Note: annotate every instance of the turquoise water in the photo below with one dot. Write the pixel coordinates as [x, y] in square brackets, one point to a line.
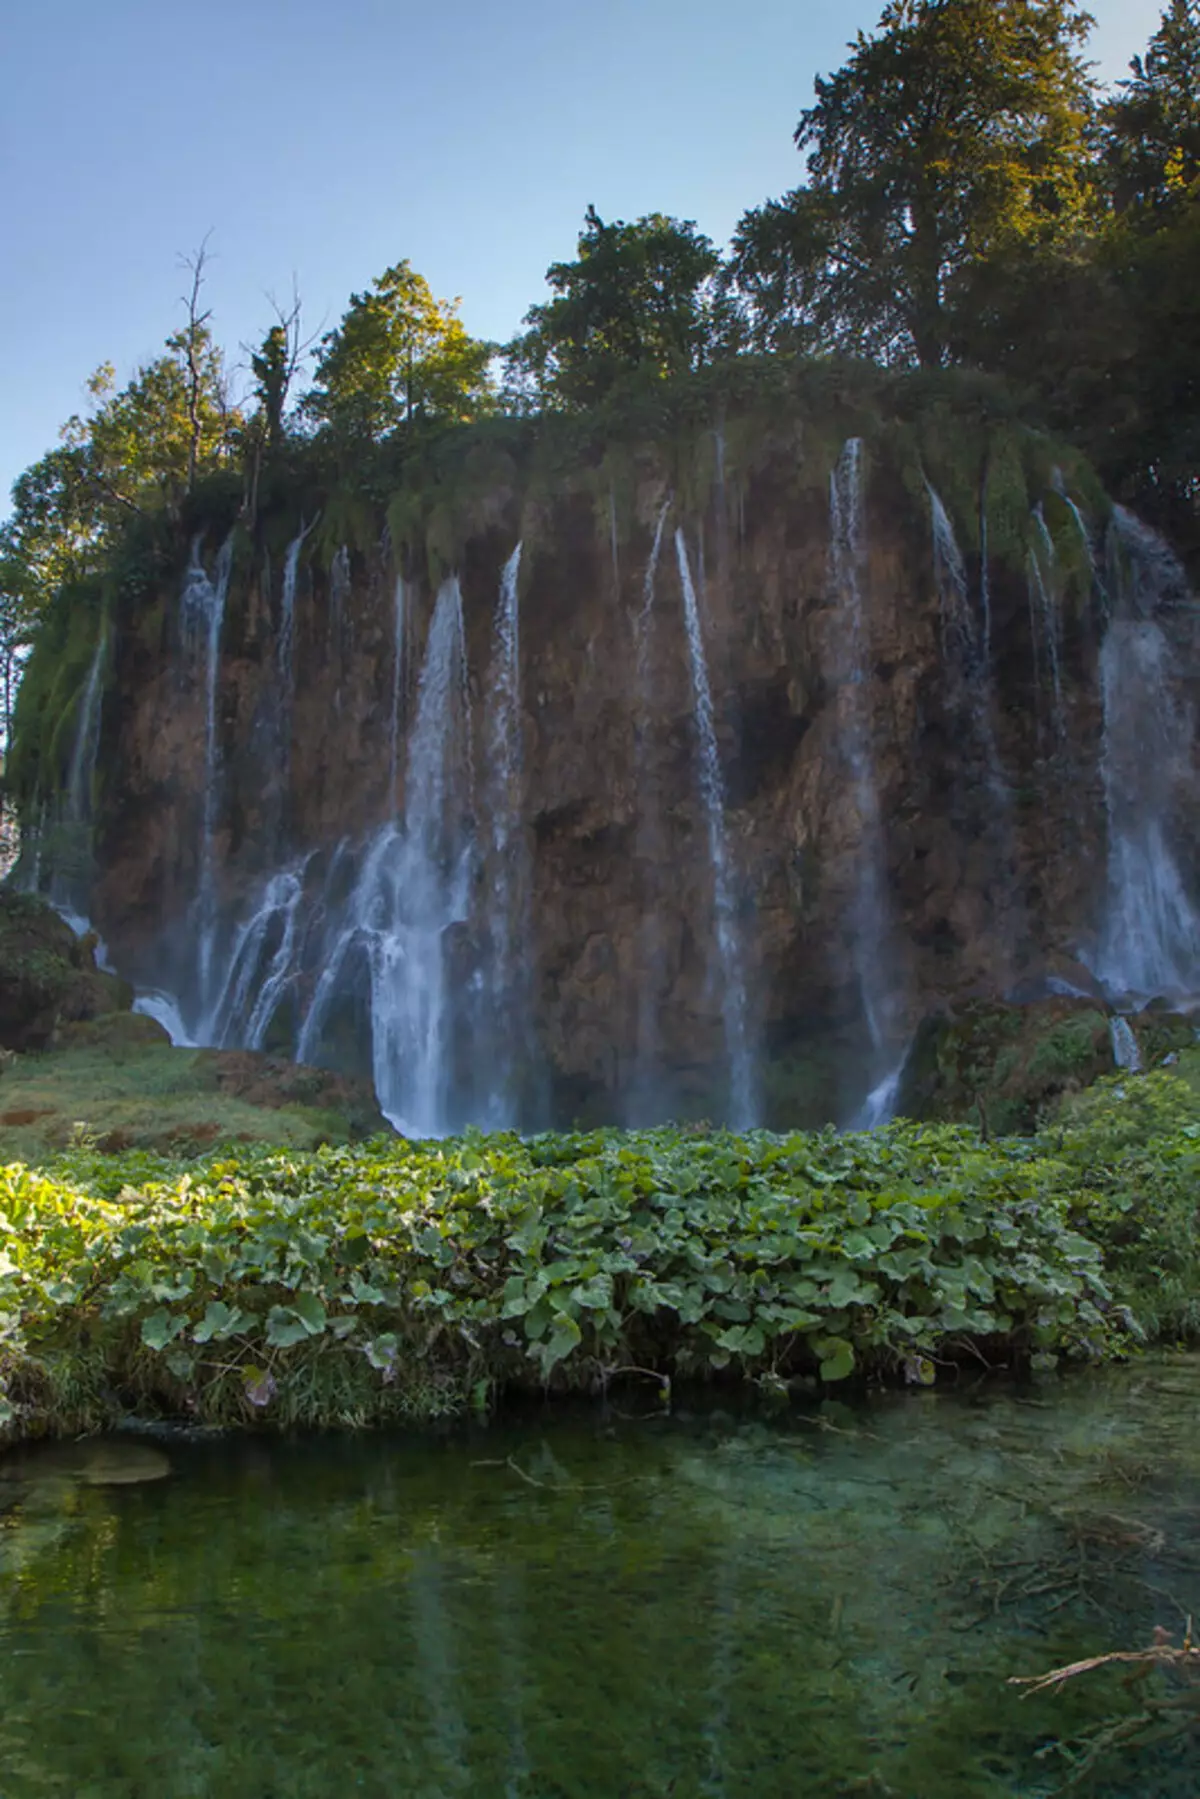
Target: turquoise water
[601, 1603]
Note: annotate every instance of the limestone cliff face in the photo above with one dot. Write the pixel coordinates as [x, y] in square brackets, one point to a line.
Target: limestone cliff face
[909, 729]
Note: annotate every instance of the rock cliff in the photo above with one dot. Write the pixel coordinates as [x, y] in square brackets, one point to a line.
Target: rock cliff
[376, 790]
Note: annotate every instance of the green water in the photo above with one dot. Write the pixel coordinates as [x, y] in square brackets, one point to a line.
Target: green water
[603, 1603]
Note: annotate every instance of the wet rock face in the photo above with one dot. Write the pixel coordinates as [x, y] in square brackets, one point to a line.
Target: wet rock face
[987, 813]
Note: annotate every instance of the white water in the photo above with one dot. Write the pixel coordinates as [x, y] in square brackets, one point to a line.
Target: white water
[1044, 613]
[879, 1107]
[712, 792]
[1150, 943]
[1150, 940]
[87, 739]
[506, 996]
[164, 1010]
[399, 672]
[1126, 1053]
[646, 1098]
[202, 605]
[413, 886]
[505, 764]
[260, 966]
[847, 572]
[287, 616]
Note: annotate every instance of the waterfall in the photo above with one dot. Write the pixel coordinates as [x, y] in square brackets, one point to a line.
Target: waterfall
[262, 963]
[202, 606]
[964, 643]
[87, 740]
[870, 923]
[1150, 939]
[712, 793]
[1150, 943]
[510, 875]
[647, 1100]
[286, 647]
[414, 885]
[399, 646]
[1044, 617]
[287, 618]
[1126, 1053]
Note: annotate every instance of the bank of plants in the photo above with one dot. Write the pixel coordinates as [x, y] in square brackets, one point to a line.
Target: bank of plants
[389, 1280]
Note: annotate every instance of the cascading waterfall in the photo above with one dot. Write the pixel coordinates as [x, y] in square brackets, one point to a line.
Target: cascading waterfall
[1150, 943]
[413, 886]
[1044, 617]
[646, 1095]
[202, 607]
[510, 874]
[1126, 1053]
[399, 674]
[712, 792]
[261, 965]
[286, 649]
[87, 739]
[871, 922]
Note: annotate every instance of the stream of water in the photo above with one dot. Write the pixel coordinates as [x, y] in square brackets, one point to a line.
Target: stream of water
[808, 1605]
[202, 608]
[730, 953]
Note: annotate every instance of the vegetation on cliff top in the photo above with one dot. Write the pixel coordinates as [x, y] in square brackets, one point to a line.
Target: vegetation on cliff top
[972, 198]
[401, 1279]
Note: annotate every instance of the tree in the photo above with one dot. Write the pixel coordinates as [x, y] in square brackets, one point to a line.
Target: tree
[638, 296]
[1152, 128]
[397, 356]
[954, 132]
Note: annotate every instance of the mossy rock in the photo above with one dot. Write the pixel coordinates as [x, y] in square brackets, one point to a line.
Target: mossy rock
[1004, 1065]
[48, 975]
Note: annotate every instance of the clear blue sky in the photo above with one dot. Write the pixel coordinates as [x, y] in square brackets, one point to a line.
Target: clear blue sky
[328, 141]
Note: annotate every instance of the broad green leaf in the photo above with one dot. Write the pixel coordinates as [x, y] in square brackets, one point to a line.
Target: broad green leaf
[837, 1358]
[162, 1327]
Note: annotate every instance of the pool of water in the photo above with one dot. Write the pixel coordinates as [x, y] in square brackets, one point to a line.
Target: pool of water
[595, 1603]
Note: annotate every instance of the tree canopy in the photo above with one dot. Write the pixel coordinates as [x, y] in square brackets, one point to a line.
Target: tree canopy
[399, 355]
[638, 296]
[970, 198]
[955, 130]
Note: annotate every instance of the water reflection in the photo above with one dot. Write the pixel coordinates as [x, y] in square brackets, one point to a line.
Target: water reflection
[827, 1603]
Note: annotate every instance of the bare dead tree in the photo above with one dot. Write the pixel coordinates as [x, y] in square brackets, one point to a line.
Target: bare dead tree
[192, 338]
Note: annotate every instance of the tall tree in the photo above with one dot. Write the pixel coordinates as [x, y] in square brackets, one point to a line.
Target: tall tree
[398, 355]
[638, 296]
[955, 130]
[1152, 126]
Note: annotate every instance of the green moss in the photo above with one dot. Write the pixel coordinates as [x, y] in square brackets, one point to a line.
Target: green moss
[121, 1085]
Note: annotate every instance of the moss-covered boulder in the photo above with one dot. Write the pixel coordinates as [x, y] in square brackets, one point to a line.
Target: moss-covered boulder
[1003, 1065]
[48, 975]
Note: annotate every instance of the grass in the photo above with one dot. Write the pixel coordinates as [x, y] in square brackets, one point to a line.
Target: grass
[113, 1088]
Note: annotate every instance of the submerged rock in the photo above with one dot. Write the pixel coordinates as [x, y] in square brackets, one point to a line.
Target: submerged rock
[94, 1462]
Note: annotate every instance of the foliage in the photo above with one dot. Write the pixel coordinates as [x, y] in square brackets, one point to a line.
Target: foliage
[951, 132]
[398, 355]
[1134, 1142]
[1152, 126]
[117, 1078]
[639, 298]
[440, 1270]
